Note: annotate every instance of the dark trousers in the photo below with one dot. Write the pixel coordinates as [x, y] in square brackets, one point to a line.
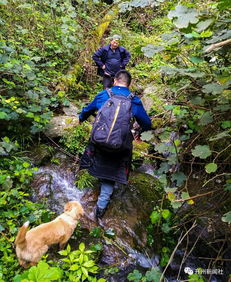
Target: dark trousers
[107, 81]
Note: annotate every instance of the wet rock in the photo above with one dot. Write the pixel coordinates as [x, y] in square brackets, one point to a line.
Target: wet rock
[127, 214]
[59, 124]
[71, 110]
[40, 154]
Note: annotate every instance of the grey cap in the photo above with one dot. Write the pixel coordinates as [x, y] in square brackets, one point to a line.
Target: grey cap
[116, 37]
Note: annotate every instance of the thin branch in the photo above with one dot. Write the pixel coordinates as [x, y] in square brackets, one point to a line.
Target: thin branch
[221, 152]
[217, 45]
[225, 173]
[173, 253]
[61, 149]
[196, 196]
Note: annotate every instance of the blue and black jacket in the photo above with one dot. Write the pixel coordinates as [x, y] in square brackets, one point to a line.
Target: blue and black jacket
[138, 111]
[102, 55]
[113, 167]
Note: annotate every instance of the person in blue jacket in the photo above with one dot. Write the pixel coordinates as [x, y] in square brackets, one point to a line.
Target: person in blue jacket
[111, 167]
[110, 59]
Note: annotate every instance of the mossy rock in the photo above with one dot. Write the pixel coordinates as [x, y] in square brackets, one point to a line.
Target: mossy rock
[146, 185]
[40, 154]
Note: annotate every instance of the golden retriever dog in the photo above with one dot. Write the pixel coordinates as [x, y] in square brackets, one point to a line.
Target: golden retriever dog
[33, 244]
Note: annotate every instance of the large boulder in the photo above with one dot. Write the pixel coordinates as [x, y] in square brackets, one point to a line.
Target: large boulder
[59, 124]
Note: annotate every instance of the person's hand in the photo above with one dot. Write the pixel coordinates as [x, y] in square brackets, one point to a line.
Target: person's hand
[103, 67]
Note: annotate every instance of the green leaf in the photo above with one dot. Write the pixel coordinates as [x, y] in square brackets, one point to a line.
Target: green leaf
[179, 177]
[134, 276]
[203, 25]
[227, 186]
[3, 115]
[206, 118]
[211, 167]
[165, 227]
[89, 263]
[147, 135]
[150, 50]
[227, 217]
[155, 216]
[182, 16]
[224, 5]
[153, 275]
[226, 124]
[84, 270]
[26, 164]
[213, 88]
[74, 267]
[196, 60]
[43, 272]
[201, 151]
[81, 247]
[195, 278]
[3, 2]
[165, 213]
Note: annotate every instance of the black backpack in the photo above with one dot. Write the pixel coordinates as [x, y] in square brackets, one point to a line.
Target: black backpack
[112, 126]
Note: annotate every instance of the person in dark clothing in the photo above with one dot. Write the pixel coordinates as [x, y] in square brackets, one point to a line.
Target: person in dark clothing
[110, 59]
[112, 167]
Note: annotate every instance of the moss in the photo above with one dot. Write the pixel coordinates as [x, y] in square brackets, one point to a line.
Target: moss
[146, 185]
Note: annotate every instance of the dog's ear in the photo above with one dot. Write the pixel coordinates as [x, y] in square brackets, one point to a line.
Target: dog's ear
[68, 207]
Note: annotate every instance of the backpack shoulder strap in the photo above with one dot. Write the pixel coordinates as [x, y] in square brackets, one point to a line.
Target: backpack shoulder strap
[131, 95]
[109, 92]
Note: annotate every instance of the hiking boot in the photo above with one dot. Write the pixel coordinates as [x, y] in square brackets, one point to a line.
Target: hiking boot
[99, 212]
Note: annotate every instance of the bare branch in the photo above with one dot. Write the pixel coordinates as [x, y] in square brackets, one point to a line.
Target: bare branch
[217, 45]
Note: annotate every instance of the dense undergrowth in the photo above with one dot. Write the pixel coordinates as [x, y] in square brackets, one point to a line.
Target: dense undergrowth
[187, 83]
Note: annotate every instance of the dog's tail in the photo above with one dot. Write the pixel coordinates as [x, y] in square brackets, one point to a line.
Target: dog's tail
[20, 240]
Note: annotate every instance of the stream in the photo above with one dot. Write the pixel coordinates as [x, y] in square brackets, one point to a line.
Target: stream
[127, 215]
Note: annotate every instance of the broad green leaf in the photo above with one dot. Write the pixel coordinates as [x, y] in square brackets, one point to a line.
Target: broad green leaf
[3, 2]
[227, 186]
[165, 213]
[26, 164]
[89, 263]
[81, 247]
[227, 217]
[155, 216]
[134, 276]
[206, 33]
[226, 124]
[74, 267]
[206, 118]
[224, 4]
[198, 101]
[153, 275]
[171, 196]
[201, 151]
[84, 270]
[196, 60]
[213, 88]
[150, 50]
[176, 205]
[182, 16]
[147, 135]
[211, 167]
[179, 177]
[165, 227]
[3, 115]
[203, 25]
